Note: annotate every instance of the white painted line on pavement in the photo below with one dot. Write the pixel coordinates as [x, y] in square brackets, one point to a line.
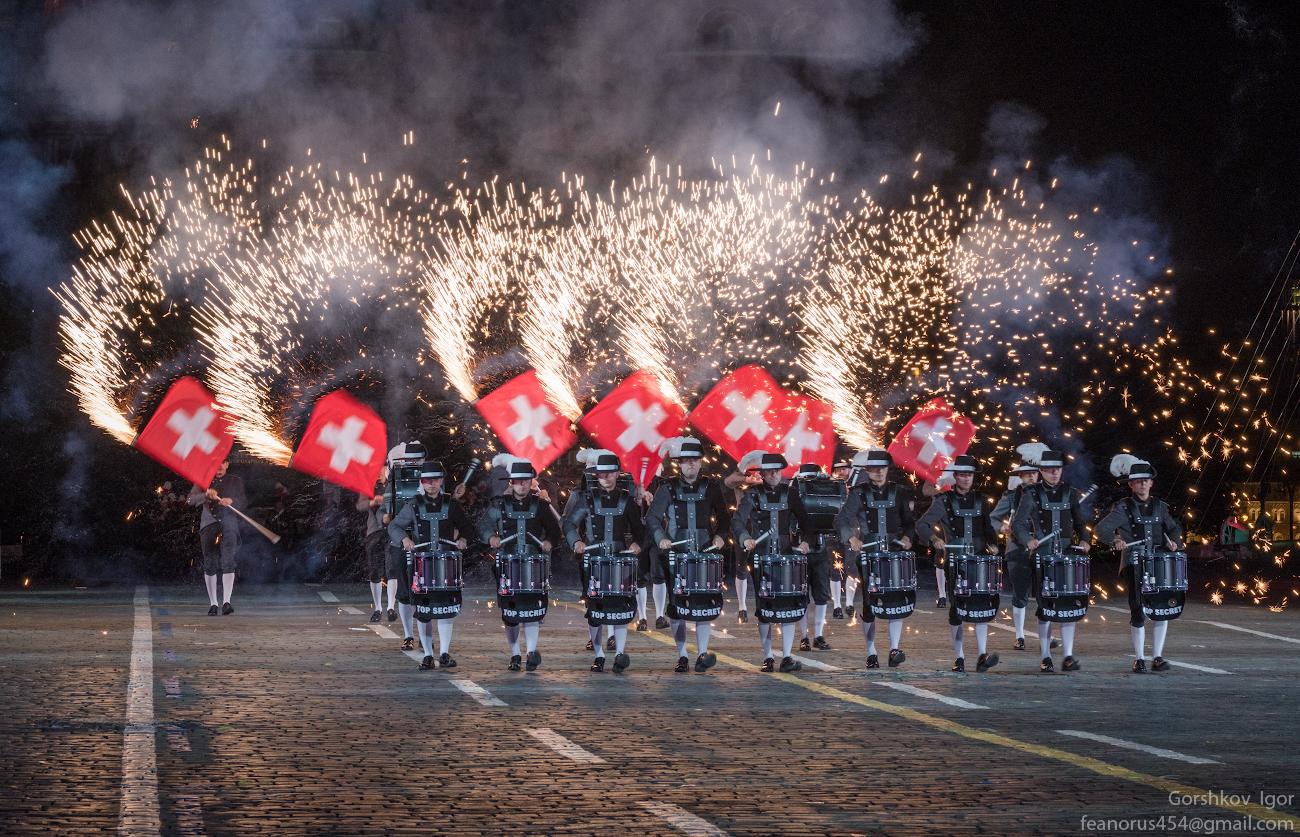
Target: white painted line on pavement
[564, 746]
[139, 810]
[1193, 666]
[683, 820]
[1012, 628]
[1226, 626]
[926, 693]
[382, 630]
[327, 596]
[1133, 745]
[817, 664]
[418, 656]
[479, 693]
[352, 611]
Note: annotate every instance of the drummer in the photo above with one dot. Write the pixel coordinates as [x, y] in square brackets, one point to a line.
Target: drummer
[844, 575]
[878, 516]
[606, 523]
[772, 510]
[1022, 476]
[432, 521]
[688, 514]
[520, 517]
[1144, 518]
[1048, 521]
[958, 524]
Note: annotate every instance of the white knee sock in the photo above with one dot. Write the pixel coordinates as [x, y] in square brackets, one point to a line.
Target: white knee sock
[620, 638]
[819, 619]
[210, 582]
[531, 630]
[957, 647]
[1139, 637]
[742, 592]
[596, 642]
[940, 582]
[1067, 637]
[787, 640]
[803, 624]
[702, 636]
[392, 596]
[227, 586]
[982, 637]
[1158, 632]
[426, 638]
[836, 592]
[765, 635]
[895, 633]
[444, 635]
[406, 612]
[1018, 616]
[377, 594]
[640, 602]
[851, 591]
[869, 631]
[512, 637]
[679, 634]
[1045, 638]
[661, 597]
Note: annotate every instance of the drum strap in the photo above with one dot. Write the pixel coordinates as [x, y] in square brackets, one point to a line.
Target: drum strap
[430, 518]
[608, 514]
[521, 518]
[690, 501]
[1054, 519]
[1150, 527]
[773, 508]
[881, 507]
[965, 515]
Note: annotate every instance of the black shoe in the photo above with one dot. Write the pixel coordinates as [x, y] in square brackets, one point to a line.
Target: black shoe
[789, 664]
[660, 623]
[1020, 644]
[426, 664]
[1054, 644]
[376, 616]
[873, 661]
[621, 662]
[1159, 664]
[837, 613]
[767, 665]
[705, 661]
[1070, 664]
[1140, 666]
[446, 661]
[683, 665]
[1046, 665]
[598, 664]
[214, 611]
[821, 644]
[848, 611]
[941, 602]
[610, 644]
[986, 662]
[534, 660]
[642, 626]
[226, 609]
[744, 616]
[408, 644]
[590, 646]
[896, 658]
[515, 662]
[959, 665]
[392, 615]
[805, 645]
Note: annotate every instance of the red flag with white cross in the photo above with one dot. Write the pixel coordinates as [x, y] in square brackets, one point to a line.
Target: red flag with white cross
[345, 443]
[932, 439]
[747, 410]
[188, 433]
[808, 434]
[633, 421]
[526, 423]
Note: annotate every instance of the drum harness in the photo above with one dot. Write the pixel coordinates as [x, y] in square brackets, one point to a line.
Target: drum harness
[691, 498]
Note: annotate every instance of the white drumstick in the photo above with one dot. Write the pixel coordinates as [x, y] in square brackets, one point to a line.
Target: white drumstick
[270, 536]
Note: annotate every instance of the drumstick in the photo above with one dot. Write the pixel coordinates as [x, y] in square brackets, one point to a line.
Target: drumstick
[505, 541]
[1132, 544]
[1049, 537]
[270, 536]
[688, 540]
[449, 543]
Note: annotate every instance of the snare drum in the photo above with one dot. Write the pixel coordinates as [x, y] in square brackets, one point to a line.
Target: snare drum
[1164, 572]
[782, 575]
[434, 572]
[698, 573]
[889, 572]
[977, 575]
[523, 572]
[612, 575]
[1066, 574]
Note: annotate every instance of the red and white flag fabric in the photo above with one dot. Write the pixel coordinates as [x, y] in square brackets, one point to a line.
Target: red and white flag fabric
[931, 440]
[633, 421]
[526, 423]
[188, 433]
[743, 412]
[345, 444]
[807, 434]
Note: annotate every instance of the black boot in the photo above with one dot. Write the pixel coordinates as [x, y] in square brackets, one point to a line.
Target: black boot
[683, 665]
[848, 611]
[959, 665]
[610, 644]
[837, 613]
[805, 645]
[376, 616]
[767, 665]
[1054, 644]
[598, 664]
[408, 644]
[1159, 664]
[590, 646]
[392, 615]
[821, 644]
[214, 611]
[515, 662]
[790, 664]
[986, 662]
[642, 626]
[226, 609]
[896, 657]
[661, 623]
[1046, 665]
[873, 661]
[705, 661]
[1020, 644]
[1070, 664]
[427, 663]
[621, 662]
[534, 660]
[446, 661]
[1140, 666]
[941, 602]
[744, 616]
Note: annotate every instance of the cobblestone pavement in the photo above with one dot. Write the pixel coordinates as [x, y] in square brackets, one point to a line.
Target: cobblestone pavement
[294, 715]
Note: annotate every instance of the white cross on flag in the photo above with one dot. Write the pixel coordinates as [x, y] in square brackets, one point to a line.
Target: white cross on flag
[526, 423]
[633, 421]
[747, 410]
[933, 438]
[344, 443]
[188, 433]
[810, 437]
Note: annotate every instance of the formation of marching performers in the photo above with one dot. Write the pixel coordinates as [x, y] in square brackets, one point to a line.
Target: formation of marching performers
[806, 540]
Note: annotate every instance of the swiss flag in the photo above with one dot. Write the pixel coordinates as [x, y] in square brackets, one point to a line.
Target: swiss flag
[344, 444]
[807, 434]
[188, 433]
[525, 422]
[931, 440]
[633, 421]
[745, 411]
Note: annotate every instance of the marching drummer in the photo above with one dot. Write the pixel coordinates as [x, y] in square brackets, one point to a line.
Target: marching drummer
[517, 519]
[957, 523]
[1138, 527]
[688, 514]
[607, 523]
[878, 516]
[844, 575]
[1048, 523]
[432, 521]
[771, 511]
[1022, 476]
[822, 499]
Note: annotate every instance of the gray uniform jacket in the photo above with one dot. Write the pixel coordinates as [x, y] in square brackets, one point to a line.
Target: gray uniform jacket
[230, 486]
